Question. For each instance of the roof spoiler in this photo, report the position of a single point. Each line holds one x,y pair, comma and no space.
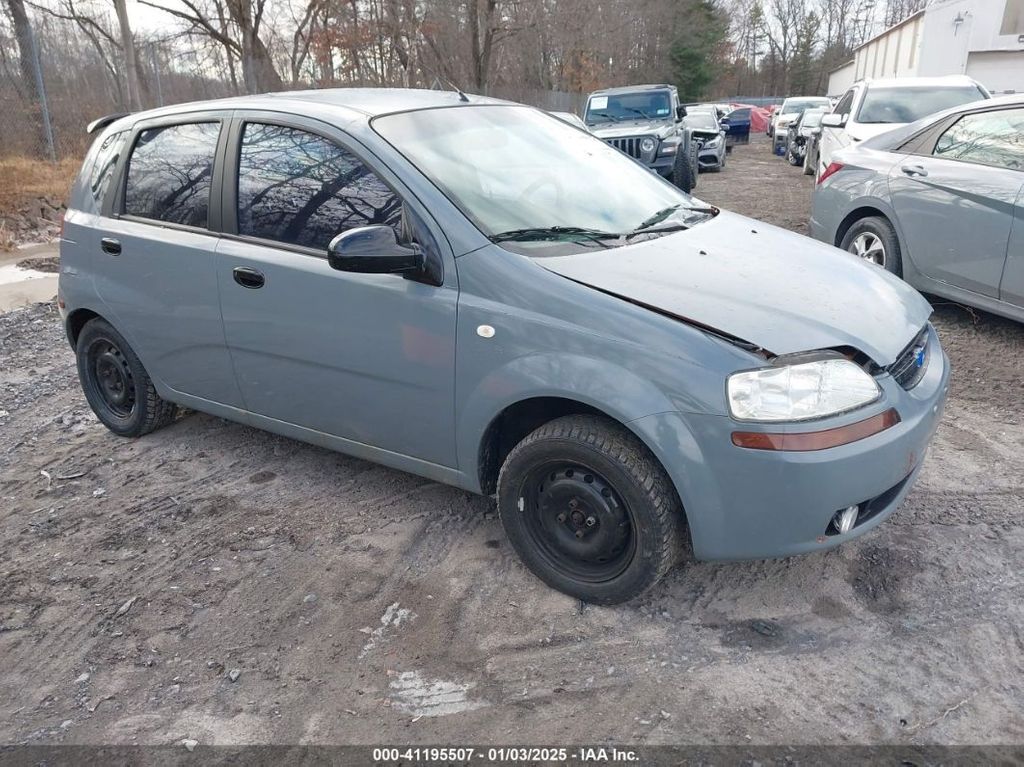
103,122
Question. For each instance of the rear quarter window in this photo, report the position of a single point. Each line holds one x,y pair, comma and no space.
170,172
97,171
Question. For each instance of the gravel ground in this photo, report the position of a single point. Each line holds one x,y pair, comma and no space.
216,583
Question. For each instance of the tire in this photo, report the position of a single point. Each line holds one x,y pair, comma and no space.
682,173
808,165
791,156
116,385
589,510
872,232
694,164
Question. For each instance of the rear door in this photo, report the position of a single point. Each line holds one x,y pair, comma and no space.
154,258
365,357
955,198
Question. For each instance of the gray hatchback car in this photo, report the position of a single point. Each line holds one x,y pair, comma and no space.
473,291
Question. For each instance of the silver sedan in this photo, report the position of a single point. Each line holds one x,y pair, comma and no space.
935,203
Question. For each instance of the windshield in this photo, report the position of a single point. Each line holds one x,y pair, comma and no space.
799,105
811,118
904,105
512,168
642,105
701,121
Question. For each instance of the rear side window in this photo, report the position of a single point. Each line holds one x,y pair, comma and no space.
989,138
302,189
170,171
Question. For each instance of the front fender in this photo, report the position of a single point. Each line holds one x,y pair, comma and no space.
598,383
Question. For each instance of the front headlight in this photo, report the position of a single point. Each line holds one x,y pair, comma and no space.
800,392
647,145
713,143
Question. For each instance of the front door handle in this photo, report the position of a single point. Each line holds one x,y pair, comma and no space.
111,246
914,170
248,278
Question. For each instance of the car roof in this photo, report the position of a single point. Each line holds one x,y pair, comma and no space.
918,82
632,89
349,102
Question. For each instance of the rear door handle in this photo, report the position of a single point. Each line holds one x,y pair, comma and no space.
248,278
914,170
111,246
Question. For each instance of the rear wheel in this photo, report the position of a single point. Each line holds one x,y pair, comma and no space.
589,510
874,239
116,385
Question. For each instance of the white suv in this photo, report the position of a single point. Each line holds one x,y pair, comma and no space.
872,107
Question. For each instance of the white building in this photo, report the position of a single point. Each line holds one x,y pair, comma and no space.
983,39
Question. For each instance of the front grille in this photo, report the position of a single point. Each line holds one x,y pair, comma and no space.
630,145
910,366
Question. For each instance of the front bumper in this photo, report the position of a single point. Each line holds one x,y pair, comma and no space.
754,504
710,158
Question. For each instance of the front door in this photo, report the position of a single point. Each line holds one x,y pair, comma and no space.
955,200
365,357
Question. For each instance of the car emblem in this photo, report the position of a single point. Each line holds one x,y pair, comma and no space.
919,356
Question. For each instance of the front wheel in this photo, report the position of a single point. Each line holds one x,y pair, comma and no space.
589,510
116,385
682,171
808,163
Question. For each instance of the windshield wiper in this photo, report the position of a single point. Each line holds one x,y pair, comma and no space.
613,118
648,225
639,112
554,233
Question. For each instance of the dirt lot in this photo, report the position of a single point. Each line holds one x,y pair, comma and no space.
360,605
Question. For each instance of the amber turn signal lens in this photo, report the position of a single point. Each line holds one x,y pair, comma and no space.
817,440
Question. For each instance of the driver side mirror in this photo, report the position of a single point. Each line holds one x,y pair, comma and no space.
680,112
373,250
834,120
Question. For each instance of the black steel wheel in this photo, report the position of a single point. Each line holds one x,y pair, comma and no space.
116,385
577,522
590,510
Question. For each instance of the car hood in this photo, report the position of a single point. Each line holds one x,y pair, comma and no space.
780,291
633,128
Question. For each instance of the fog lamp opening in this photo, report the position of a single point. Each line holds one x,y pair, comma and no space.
845,519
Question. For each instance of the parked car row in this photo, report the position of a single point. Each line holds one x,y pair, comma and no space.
924,177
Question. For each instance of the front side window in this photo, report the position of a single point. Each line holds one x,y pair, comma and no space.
905,105
170,172
845,103
302,189
990,138
642,105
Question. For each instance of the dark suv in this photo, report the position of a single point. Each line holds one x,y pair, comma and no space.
646,122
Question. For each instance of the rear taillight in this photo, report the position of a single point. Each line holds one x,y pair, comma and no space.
833,167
